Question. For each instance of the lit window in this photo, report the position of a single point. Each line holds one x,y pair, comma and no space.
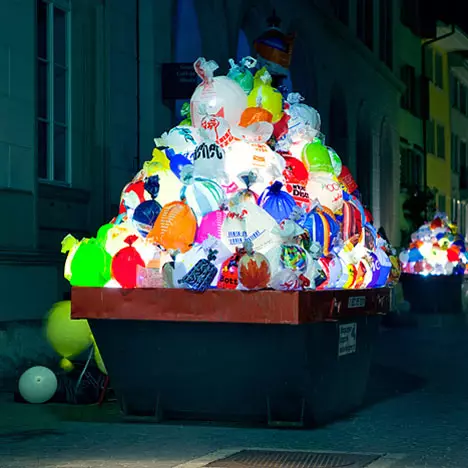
53,91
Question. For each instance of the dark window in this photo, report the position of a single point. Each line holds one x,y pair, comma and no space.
439,71
365,22
462,154
411,167
53,91
463,177
409,13
429,62
463,165
341,10
454,91
455,153
408,98
442,202
386,33
462,99
440,141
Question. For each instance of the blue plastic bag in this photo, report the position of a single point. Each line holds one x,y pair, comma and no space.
278,203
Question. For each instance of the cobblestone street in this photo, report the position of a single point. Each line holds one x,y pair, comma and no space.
417,405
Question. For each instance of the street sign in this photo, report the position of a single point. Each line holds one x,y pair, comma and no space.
178,80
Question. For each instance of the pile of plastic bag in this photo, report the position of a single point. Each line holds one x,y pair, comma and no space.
436,249
243,194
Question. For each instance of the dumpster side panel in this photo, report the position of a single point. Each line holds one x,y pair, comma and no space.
235,372
337,384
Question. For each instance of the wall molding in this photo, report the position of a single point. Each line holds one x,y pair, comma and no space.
31,258
68,194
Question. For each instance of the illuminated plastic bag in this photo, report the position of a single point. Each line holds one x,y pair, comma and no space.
241,74
304,122
277,202
335,161
169,184
229,272
264,95
183,263
175,227
327,190
202,195
125,264
247,180
209,161
322,227
219,96
316,158
254,269
182,140
211,225
249,221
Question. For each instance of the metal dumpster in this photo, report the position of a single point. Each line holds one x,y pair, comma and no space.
295,359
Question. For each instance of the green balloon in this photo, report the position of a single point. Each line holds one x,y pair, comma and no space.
102,233
91,265
316,157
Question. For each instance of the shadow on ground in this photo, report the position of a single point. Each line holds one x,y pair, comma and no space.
387,382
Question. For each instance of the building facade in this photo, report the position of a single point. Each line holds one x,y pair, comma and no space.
448,122
80,93
458,82
438,126
411,112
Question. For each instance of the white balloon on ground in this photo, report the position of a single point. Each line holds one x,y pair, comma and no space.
37,385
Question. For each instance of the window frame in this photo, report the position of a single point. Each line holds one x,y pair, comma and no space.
408,98
429,63
386,32
365,22
443,197
341,10
50,121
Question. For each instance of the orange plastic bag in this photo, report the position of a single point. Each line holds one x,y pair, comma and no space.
175,227
253,115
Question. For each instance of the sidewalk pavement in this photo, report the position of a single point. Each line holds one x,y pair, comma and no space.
417,405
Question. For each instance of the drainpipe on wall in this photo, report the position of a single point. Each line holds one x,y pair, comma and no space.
424,122
138,106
